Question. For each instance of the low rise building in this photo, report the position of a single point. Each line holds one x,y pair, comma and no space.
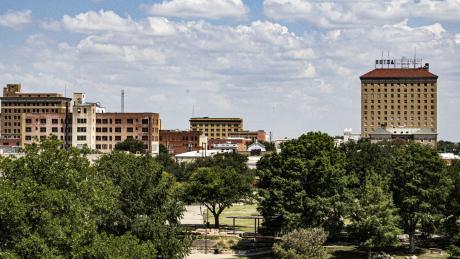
191,156
418,135
216,128
181,141
253,136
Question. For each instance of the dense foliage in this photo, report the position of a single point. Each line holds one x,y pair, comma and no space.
55,204
302,244
131,145
376,190
305,185
218,188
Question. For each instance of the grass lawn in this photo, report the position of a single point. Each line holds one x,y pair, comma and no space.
246,225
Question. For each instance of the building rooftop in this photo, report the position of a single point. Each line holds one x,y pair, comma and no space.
399,73
215,119
402,131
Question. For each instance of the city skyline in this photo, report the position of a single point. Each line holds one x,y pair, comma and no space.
284,66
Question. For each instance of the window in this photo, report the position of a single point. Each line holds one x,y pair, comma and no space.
98,138
105,121
145,137
104,130
117,138
117,121
81,129
98,129
43,121
28,137
81,120
28,121
42,129
54,129
54,121
81,138
145,129
145,121
129,129
129,121
118,129
28,129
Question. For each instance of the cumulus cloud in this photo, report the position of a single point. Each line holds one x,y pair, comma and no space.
331,14
97,21
208,9
260,70
15,19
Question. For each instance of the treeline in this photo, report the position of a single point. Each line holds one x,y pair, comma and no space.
367,193
55,204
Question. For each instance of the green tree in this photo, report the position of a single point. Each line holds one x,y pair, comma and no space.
218,188
305,185
420,186
374,217
302,244
52,203
131,145
150,203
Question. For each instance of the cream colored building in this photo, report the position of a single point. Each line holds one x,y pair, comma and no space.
84,121
216,128
398,98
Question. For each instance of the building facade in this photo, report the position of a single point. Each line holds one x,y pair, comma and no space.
114,127
423,136
84,121
398,98
253,136
15,104
180,141
36,127
216,128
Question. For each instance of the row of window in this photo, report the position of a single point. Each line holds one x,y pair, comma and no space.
419,107
29,104
397,95
396,84
399,101
398,118
412,90
215,125
119,121
29,110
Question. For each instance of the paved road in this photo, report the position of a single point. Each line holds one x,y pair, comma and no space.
192,215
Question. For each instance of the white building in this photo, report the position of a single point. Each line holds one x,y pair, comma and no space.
193,155
84,121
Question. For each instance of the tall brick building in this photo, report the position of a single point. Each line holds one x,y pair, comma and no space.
399,98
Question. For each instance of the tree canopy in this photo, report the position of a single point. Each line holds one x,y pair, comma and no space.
131,145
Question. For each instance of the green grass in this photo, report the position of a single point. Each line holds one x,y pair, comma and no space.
246,225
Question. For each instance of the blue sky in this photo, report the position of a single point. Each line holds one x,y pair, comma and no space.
286,66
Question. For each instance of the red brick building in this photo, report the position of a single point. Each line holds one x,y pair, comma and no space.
180,141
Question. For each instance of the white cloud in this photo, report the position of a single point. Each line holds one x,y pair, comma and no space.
457,40
97,21
340,14
15,19
261,70
210,9
50,25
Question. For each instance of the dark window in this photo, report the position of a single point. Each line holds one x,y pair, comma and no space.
117,121
42,129
118,138
28,121
81,120
28,129
81,137
81,129
55,121
129,129
145,129
43,121
28,137
145,121
117,129
129,121
54,129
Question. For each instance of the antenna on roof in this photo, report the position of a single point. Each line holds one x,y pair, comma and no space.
415,56
122,100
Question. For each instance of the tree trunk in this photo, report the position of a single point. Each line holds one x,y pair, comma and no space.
412,241
216,220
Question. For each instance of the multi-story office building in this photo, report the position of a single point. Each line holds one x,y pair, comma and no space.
181,141
114,127
398,98
216,128
15,104
84,121
39,126
253,136
30,117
